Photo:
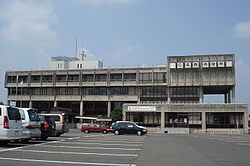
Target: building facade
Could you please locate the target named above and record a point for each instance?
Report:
(184, 80)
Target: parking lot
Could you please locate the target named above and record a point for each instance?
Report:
(77, 148)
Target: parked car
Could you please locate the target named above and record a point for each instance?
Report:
(10, 124)
(31, 123)
(48, 126)
(125, 127)
(62, 124)
(90, 127)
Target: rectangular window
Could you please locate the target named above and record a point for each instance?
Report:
(73, 78)
(129, 77)
(101, 77)
(61, 78)
(115, 77)
(47, 78)
(87, 78)
(146, 77)
(35, 79)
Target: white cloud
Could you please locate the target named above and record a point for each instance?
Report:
(28, 23)
(99, 2)
(242, 30)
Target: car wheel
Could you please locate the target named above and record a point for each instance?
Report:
(25, 141)
(117, 132)
(104, 132)
(139, 133)
(86, 131)
(44, 137)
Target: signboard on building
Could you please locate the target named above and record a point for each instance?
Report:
(206, 64)
(141, 108)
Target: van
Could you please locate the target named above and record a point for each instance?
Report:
(10, 124)
(31, 123)
(62, 124)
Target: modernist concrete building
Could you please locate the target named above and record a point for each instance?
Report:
(167, 98)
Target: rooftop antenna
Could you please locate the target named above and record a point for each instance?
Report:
(82, 54)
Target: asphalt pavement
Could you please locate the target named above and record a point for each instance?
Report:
(77, 148)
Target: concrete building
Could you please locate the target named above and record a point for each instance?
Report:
(71, 63)
(168, 98)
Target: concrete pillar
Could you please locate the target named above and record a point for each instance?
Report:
(203, 120)
(55, 103)
(233, 95)
(225, 98)
(81, 108)
(109, 109)
(229, 96)
(245, 122)
(162, 121)
(169, 96)
(30, 104)
(200, 95)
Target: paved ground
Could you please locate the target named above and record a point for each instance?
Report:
(76, 148)
(192, 150)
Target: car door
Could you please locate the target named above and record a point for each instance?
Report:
(131, 128)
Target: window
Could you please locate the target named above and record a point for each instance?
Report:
(22, 114)
(88, 78)
(159, 77)
(95, 91)
(101, 77)
(115, 77)
(129, 77)
(61, 78)
(13, 114)
(46, 78)
(119, 91)
(73, 78)
(35, 79)
(145, 77)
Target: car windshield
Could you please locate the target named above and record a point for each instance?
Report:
(33, 115)
(41, 117)
(13, 114)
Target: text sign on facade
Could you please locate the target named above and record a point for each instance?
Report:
(141, 108)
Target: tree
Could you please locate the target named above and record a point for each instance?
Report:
(116, 114)
(1, 103)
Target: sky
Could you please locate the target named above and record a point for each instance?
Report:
(124, 33)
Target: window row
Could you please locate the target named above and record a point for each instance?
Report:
(114, 77)
(73, 91)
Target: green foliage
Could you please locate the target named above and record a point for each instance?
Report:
(1, 103)
(116, 114)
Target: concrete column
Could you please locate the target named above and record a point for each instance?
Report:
(200, 95)
(229, 96)
(245, 122)
(225, 98)
(168, 94)
(109, 109)
(203, 120)
(162, 121)
(81, 108)
(233, 95)
(55, 103)
(30, 104)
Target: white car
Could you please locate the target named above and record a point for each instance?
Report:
(31, 124)
(10, 124)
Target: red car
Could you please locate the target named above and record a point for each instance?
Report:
(91, 127)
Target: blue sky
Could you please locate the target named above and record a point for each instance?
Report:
(124, 32)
